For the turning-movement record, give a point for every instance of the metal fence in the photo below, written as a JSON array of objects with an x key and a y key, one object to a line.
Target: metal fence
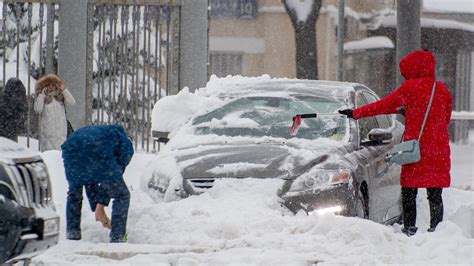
[
  {"x": 28, "y": 41},
  {"x": 133, "y": 60},
  {"x": 462, "y": 127},
  {"x": 463, "y": 96}
]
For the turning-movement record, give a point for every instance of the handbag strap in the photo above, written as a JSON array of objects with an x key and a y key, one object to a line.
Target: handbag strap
[
  {"x": 427, "y": 110},
  {"x": 65, "y": 110}
]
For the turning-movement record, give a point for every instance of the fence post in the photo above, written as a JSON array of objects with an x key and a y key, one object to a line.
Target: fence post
[
  {"x": 49, "y": 66},
  {"x": 72, "y": 59},
  {"x": 194, "y": 44}
]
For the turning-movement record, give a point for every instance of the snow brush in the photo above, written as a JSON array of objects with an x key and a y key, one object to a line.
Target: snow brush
[{"x": 297, "y": 122}]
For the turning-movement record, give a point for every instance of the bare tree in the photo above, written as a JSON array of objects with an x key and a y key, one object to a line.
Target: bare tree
[{"x": 305, "y": 38}]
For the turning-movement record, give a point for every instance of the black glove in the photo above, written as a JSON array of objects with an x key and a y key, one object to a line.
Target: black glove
[
  {"x": 346, "y": 112},
  {"x": 402, "y": 111}
]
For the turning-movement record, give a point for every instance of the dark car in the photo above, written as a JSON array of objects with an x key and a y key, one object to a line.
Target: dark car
[
  {"x": 332, "y": 164},
  {"x": 28, "y": 222}
]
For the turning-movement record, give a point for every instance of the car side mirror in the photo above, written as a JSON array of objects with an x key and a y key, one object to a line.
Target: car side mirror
[
  {"x": 160, "y": 136},
  {"x": 377, "y": 137}
]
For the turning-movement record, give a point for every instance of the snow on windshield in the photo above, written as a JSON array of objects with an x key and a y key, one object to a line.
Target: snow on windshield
[
  {"x": 272, "y": 116},
  {"x": 172, "y": 112}
]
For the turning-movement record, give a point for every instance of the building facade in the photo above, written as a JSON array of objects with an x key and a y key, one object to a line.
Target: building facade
[{"x": 255, "y": 37}]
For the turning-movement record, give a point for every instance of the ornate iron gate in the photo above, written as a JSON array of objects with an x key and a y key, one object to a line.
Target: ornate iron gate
[
  {"x": 133, "y": 60},
  {"x": 28, "y": 49},
  {"x": 463, "y": 96}
]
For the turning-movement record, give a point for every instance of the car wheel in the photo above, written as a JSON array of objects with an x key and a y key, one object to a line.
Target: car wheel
[{"x": 361, "y": 209}]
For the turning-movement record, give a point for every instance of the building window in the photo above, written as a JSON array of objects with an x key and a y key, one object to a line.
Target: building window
[{"x": 223, "y": 64}]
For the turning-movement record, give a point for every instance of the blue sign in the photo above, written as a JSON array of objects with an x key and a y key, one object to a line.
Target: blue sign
[{"x": 246, "y": 9}]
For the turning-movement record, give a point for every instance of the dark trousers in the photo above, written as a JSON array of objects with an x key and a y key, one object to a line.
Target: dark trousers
[
  {"x": 409, "y": 206},
  {"x": 100, "y": 193}
]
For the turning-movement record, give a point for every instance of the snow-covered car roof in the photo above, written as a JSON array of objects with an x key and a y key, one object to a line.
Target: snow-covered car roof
[
  {"x": 171, "y": 112},
  {"x": 240, "y": 86}
]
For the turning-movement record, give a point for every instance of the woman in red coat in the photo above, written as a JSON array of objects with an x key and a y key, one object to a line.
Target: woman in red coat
[{"x": 432, "y": 171}]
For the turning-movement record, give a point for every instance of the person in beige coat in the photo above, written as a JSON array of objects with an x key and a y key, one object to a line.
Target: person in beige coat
[{"x": 51, "y": 101}]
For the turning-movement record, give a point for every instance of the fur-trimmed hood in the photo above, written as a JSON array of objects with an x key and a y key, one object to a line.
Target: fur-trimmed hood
[{"x": 47, "y": 80}]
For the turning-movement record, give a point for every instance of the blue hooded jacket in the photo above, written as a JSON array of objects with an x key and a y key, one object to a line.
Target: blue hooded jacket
[{"x": 96, "y": 153}]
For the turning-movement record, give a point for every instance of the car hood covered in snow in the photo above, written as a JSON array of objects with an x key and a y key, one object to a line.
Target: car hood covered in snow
[
  {"x": 12, "y": 151},
  {"x": 242, "y": 159},
  {"x": 239, "y": 161}
]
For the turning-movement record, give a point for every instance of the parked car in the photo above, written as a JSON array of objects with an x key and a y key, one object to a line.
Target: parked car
[
  {"x": 28, "y": 222},
  {"x": 332, "y": 164}
]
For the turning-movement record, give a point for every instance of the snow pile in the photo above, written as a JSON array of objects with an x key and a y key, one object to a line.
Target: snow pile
[
  {"x": 168, "y": 116},
  {"x": 333, "y": 12},
  {"x": 391, "y": 22},
  {"x": 451, "y": 6},
  {"x": 240, "y": 221},
  {"x": 172, "y": 112},
  {"x": 464, "y": 218},
  {"x": 168, "y": 167},
  {"x": 376, "y": 42}
]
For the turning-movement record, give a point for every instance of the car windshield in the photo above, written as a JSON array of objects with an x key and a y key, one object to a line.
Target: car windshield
[{"x": 272, "y": 117}]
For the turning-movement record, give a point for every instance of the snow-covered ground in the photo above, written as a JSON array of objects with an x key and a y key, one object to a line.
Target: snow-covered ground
[{"x": 240, "y": 222}]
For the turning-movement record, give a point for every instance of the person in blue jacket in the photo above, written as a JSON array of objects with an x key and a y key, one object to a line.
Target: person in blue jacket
[{"x": 95, "y": 157}]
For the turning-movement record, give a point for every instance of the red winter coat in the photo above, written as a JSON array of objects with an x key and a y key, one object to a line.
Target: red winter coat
[{"x": 418, "y": 69}]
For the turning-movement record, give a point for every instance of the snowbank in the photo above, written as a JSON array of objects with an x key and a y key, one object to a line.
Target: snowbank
[
  {"x": 391, "y": 22},
  {"x": 377, "y": 42},
  {"x": 464, "y": 218},
  {"x": 167, "y": 116},
  {"x": 241, "y": 222}
]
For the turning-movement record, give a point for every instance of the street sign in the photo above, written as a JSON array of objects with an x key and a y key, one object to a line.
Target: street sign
[{"x": 244, "y": 9}]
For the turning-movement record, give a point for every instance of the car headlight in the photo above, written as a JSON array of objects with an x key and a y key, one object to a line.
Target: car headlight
[{"x": 320, "y": 179}]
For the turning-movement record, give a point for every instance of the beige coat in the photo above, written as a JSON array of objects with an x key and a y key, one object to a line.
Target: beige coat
[{"x": 53, "y": 125}]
